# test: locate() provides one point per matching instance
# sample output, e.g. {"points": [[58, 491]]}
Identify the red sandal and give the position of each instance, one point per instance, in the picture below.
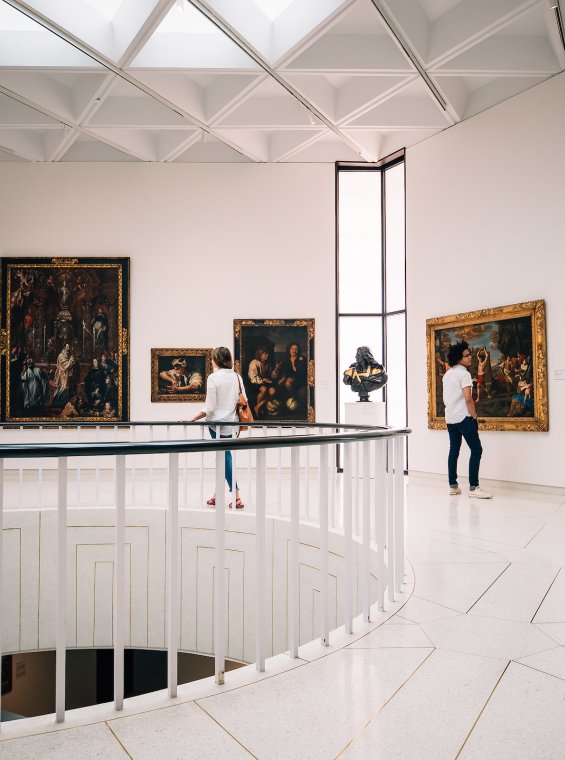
{"points": [[238, 504], [211, 502]]}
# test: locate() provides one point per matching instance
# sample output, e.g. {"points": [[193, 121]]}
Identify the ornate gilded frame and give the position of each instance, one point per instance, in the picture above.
{"points": [[202, 365], [303, 331], [465, 322], [105, 278]]}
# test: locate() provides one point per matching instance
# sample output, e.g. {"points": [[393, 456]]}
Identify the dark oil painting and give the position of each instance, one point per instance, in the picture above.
{"points": [[180, 374], [65, 333], [275, 358]]}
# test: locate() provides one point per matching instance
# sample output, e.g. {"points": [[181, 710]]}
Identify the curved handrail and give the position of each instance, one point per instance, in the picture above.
{"points": [[114, 448]]}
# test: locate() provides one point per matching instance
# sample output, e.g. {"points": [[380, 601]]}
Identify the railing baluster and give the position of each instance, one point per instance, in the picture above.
{"points": [[21, 481], [151, 438], [97, 476], [333, 487], [380, 517], [77, 471], [279, 477], [201, 503], [119, 580], [133, 439], [185, 469], [219, 573], [390, 519], [61, 628], [366, 563], [399, 511], [293, 558], [1, 553], [260, 494], [172, 575], [347, 529], [324, 585], [307, 480]]}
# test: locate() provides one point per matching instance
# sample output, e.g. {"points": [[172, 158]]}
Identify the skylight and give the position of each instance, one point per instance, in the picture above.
{"points": [[107, 8], [188, 20], [273, 8], [12, 20]]}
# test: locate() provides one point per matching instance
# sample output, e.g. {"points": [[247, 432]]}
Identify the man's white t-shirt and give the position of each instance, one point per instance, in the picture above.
{"points": [[454, 380]]}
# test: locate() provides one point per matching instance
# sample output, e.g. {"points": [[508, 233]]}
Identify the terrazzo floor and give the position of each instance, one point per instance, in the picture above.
{"points": [[472, 666]]}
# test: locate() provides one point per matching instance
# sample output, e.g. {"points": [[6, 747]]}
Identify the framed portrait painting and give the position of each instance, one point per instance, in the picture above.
{"points": [[275, 358], [508, 370], [180, 374], [65, 339]]}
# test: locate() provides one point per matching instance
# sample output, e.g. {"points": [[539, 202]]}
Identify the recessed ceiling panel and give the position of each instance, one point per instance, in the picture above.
{"points": [[269, 104], [145, 144], [16, 114], [485, 92], [211, 151], [328, 149], [24, 42], [187, 39], [65, 94], [129, 106], [413, 106]]}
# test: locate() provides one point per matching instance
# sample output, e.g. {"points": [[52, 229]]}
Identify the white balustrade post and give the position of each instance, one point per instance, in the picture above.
{"points": [[356, 490], [348, 532], [119, 582], [333, 487], [219, 571], [97, 476], [324, 548], [201, 469], [279, 477], [293, 558], [399, 511], [1, 551], [307, 480], [366, 562], [172, 575], [390, 518], [185, 471], [61, 627], [77, 471], [380, 517], [151, 438], [260, 494], [133, 440]]}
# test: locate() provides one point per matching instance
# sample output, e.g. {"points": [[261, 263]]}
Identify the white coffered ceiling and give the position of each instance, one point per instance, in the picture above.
{"points": [[258, 80]]}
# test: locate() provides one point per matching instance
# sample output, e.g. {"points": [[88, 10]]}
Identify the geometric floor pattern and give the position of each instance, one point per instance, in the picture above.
{"points": [[472, 666]]}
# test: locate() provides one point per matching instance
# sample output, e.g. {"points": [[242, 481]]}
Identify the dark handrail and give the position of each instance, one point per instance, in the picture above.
{"points": [[30, 451]]}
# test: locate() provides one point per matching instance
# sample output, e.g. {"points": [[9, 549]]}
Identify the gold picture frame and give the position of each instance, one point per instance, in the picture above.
{"points": [[509, 367], [65, 339], [179, 374]]}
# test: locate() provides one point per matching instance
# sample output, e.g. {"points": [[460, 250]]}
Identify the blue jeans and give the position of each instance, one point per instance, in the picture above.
{"points": [[228, 460], [469, 430]]}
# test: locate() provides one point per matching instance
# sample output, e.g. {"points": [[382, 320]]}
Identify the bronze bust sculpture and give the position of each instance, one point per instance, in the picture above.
{"points": [[365, 375]]}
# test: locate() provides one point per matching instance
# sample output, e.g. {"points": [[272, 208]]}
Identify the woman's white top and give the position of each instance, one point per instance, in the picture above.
{"points": [[222, 393]]}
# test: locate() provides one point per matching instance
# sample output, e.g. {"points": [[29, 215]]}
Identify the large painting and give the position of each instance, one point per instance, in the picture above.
{"points": [[509, 368], [276, 360], [180, 374], [65, 339]]}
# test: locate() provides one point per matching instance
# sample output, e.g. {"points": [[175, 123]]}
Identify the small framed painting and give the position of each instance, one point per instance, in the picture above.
{"points": [[179, 374]]}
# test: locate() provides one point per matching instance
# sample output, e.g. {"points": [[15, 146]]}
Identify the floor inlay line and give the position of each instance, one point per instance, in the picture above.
{"points": [[489, 587], [482, 711], [545, 596], [225, 730]]}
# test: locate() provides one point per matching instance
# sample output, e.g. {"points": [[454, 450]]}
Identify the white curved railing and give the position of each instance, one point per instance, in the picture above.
{"points": [[364, 503]]}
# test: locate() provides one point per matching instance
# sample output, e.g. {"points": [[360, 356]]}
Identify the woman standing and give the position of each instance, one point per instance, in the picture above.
{"points": [[222, 393]]}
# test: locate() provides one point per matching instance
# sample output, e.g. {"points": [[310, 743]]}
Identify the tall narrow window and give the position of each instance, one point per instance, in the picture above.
{"points": [[371, 279]]}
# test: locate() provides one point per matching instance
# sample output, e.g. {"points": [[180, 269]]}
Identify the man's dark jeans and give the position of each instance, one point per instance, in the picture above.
{"points": [[469, 430]]}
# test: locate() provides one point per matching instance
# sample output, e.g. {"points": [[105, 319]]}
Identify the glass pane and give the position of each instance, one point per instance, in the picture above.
{"points": [[360, 268], [395, 248], [355, 332], [396, 370]]}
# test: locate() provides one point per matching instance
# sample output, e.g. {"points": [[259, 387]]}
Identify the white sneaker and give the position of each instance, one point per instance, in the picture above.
{"points": [[454, 490], [478, 493]]}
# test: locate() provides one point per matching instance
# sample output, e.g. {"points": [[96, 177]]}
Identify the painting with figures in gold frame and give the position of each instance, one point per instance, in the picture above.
{"points": [[65, 327], [508, 370], [180, 374], [275, 358]]}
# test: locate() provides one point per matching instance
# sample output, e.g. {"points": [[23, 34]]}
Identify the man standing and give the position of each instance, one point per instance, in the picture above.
{"points": [[461, 419]]}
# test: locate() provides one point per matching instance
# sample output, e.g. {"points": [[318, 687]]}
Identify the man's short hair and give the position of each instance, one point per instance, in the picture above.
{"points": [[455, 353]]}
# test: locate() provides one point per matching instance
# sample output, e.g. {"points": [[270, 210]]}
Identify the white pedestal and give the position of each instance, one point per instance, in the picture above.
{"points": [[366, 413]]}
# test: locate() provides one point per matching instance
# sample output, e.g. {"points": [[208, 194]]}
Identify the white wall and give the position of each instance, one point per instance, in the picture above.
{"points": [[485, 228], [208, 243]]}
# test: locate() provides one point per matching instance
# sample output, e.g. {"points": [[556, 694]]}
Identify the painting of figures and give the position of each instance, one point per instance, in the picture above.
{"points": [[180, 374], [65, 333], [275, 358], [508, 369]]}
